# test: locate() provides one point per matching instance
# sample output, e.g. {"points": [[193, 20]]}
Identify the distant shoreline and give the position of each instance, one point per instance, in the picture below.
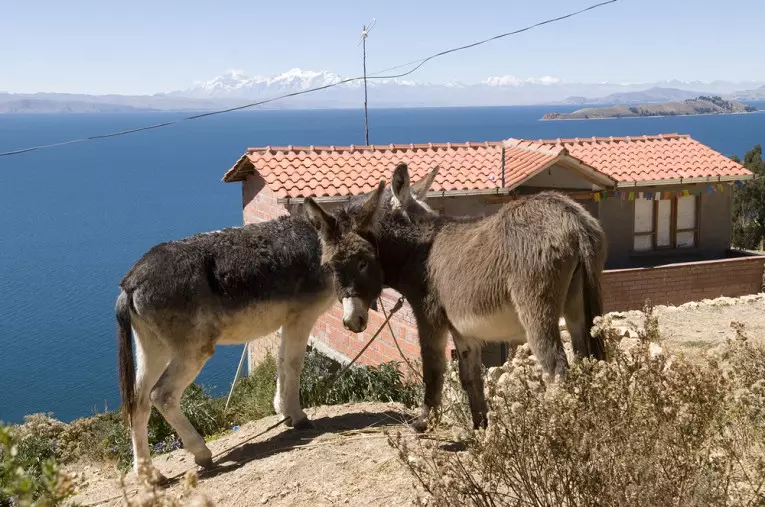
{"points": [[652, 116], [701, 105]]}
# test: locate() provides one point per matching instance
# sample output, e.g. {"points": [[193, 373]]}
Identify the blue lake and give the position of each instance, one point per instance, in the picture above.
{"points": [[73, 219]]}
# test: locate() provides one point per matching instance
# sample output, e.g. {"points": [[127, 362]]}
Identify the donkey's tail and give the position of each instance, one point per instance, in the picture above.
{"points": [[125, 355], [592, 247]]}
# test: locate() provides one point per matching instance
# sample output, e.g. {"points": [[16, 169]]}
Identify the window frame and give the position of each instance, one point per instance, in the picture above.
{"points": [[673, 229]]}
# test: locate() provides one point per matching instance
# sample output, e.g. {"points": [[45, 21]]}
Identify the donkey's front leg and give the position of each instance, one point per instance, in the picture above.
{"points": [[289, 366], [432, 345], [470, 376]]}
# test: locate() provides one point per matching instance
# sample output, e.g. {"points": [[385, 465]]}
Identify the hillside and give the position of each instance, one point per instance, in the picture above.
{"points": [[651, 95], [339, 463], [699, 105], [347, 459]]}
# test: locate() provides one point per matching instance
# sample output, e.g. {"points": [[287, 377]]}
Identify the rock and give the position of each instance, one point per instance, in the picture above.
{"points": [[655, 350]]}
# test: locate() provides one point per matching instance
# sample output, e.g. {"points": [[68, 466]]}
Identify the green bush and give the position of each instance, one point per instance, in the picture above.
{"points": [[383, 383], [253, 396], [29, 475]]}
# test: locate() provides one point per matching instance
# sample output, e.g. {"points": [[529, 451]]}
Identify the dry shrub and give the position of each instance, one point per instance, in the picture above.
{"points": [[643, 429], [150, 495]]}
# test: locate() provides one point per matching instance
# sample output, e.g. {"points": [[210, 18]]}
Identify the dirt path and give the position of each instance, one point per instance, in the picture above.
{"points": [[345, 461], [705, 324]]}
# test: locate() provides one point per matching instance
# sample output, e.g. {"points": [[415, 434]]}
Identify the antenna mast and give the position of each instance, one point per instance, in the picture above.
{"points": [[364, 33]]}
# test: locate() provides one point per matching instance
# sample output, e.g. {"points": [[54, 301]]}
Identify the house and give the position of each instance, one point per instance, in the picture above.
{"points": [[664, 202]]}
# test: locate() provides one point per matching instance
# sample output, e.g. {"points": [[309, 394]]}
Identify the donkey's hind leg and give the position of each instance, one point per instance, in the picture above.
{"points": [[540, 316], [289, 365], [470, 376], [573, 313], [184, 367], [151, 359]]}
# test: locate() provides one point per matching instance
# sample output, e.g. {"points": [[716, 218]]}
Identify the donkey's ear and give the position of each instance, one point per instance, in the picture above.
{"points": [[420, 189], [323, 221], [400, 183], [369, 214]]}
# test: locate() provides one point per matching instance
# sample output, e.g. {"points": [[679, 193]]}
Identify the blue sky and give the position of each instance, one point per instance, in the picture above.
{"points": [[141, 46]]}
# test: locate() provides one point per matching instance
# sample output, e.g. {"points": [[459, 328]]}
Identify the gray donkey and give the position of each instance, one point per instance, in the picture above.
{"points": [[507, 277], [182, 298]]}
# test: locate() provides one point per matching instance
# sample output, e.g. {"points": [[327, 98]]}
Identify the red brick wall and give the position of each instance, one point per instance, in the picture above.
{"points": [[675, 284], [259, 201]]}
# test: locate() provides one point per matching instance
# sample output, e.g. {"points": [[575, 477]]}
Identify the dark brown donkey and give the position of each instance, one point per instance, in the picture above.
{"points": [[507, 277]]}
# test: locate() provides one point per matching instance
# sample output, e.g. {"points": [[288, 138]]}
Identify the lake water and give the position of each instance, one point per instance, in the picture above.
{"points": [[73, 219]]}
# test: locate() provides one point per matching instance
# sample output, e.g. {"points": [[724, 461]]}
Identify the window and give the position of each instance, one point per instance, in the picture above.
{"points": [[666, 224]]}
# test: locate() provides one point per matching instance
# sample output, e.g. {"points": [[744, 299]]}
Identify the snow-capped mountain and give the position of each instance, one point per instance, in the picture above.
{"points": [[495, 90], [236, 84]]}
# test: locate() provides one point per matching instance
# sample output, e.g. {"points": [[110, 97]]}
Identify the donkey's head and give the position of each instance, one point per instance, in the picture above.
{"points": [[410, 198], [349, 249]]}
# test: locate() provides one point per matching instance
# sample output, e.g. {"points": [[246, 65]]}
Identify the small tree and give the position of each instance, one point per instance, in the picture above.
{"points": [[749, 203]]}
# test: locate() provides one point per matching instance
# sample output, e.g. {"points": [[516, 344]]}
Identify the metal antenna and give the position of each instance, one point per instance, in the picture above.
{"points": [[364, 33]]}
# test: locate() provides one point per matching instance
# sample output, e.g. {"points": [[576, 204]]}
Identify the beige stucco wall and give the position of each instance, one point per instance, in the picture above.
{"points": [[617, 217]]}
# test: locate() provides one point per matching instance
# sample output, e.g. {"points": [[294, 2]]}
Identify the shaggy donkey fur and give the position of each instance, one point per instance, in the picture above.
{"points": [[182, 298], [507, 277]]}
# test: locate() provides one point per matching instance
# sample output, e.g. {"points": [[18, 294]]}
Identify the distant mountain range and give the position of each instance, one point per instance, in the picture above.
{"points": [[236, 88]]}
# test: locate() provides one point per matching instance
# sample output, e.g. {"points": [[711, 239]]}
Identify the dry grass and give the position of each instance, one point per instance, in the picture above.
{"points": [[149, 495], [644, 429]]}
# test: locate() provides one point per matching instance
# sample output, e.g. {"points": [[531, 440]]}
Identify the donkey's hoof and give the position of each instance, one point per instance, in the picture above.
{"points": [[154, 477], [304, 424], [419, 425], [206, 463]]}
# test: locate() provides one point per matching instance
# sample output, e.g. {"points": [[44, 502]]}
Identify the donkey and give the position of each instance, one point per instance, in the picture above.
{"points": [[506, 277], [182, 298]]}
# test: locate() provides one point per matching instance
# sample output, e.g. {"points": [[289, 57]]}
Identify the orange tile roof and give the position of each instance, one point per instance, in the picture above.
{"points": [[647, 159], [330, 171]]}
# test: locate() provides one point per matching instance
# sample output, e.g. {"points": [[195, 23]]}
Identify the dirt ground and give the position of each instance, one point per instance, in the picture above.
{"points": [[705, 324], [346, 460]]}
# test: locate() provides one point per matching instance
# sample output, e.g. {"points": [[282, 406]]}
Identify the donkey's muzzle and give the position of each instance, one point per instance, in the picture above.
{"points": [[356, 324], [355, 314]]}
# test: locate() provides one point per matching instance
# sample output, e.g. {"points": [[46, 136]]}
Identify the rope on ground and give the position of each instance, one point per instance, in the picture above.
{"points": [[328, 385]]}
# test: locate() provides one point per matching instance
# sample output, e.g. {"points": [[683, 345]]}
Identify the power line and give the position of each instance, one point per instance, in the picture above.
{"points": [[376, 75], [364, 34]]}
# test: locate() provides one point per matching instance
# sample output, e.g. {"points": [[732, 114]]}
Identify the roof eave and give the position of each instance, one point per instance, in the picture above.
{"points": [[684, 181], [240, 170], [436, 193]]}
